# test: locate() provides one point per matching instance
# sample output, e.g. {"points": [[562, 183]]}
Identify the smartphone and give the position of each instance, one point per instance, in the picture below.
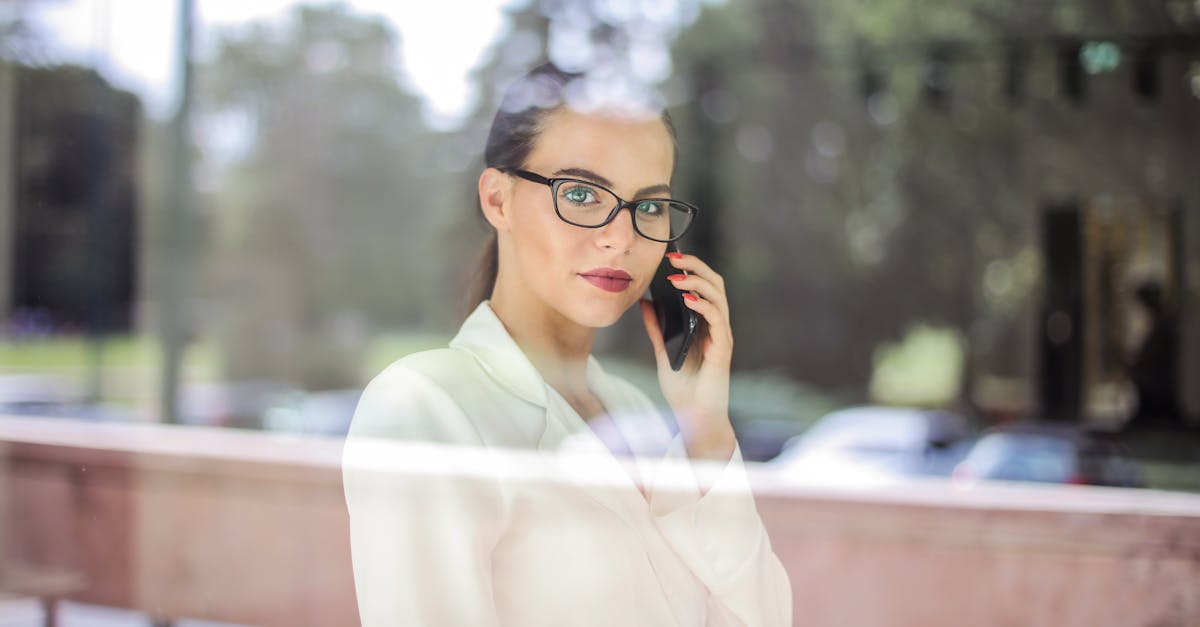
{"points": [[677, 321]]}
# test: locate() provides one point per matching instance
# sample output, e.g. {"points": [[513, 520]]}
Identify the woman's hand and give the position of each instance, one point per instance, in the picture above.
{"points": [[698, 393]]}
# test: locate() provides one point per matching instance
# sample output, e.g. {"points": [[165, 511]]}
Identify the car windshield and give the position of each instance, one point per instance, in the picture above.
{"points": [[1024, 457], [880, 432]]}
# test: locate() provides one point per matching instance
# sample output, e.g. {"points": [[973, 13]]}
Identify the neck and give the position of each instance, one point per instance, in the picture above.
{"points": [[556, 346]]}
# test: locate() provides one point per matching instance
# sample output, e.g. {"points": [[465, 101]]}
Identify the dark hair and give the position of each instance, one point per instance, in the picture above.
{"points": [[515, 128]]}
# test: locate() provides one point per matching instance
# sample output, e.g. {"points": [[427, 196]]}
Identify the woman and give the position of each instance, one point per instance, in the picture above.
{"points": [[586, 538]]}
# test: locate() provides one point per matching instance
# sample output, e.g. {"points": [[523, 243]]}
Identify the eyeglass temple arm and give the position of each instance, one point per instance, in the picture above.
{"points": [[527, 175]]}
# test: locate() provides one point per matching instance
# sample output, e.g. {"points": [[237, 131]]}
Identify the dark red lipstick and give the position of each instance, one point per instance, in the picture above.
{"points": [[608, 279]]}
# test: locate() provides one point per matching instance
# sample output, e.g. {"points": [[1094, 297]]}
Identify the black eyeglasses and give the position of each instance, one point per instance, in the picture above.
{"points": [[591, 206]]}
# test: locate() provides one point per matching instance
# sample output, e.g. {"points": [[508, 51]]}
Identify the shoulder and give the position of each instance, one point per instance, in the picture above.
{"points": [[447, 369], [412, 399]]}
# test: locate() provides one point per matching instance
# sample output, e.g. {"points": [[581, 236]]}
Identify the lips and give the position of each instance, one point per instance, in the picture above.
{"points": [[608, 279]]}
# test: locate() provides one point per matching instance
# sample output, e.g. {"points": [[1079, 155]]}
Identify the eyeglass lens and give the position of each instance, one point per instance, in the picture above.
{"points": [[584, 204]]}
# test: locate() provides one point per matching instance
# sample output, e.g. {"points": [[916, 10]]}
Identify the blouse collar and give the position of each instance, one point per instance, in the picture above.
{"points": [[485, 337], [590, 463]]}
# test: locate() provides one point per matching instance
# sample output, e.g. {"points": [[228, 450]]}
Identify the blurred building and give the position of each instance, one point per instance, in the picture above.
{"points": [[1109, 167], [1013, 178], [69, 205]]}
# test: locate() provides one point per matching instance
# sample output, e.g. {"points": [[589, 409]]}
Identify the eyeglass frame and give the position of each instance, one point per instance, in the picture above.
{"points": [[554, 182]]}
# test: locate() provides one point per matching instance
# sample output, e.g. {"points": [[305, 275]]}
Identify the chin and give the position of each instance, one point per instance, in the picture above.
{"points": [[599, 313]]}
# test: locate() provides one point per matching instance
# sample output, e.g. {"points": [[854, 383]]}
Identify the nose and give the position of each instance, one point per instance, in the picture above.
{"points": [[618, 234]]}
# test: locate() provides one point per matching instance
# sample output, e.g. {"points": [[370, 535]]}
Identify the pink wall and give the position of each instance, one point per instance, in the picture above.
{"points": [[251, 527]]}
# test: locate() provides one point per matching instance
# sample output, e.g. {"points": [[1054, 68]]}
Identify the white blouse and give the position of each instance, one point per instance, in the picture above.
{"points": [[505, 508]]}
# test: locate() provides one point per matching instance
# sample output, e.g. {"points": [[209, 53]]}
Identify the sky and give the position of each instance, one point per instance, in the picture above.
{"points": [[132, 42]]}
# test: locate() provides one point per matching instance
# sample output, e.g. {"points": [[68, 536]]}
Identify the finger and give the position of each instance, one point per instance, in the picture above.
{"points": [[703, 288], [718, 327], [694, 265]]}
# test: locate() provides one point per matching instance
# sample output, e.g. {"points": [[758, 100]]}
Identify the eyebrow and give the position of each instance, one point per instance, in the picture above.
{"points": [[585, 173]]}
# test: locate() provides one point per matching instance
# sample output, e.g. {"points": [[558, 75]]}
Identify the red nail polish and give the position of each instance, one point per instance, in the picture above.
{"points": [[690, 296], [675, 255], [676, 277]]}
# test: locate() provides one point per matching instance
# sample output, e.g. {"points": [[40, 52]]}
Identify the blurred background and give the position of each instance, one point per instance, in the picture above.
{"points": [[962, 239], [983, 208]]}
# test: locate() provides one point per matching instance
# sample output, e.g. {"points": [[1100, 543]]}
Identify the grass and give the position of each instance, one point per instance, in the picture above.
{"points": [[62, 353], [142, 354], [130, 365]]}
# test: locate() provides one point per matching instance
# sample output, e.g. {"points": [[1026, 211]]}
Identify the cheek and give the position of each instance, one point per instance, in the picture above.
{"points": [[649, 256], [544, 241]]}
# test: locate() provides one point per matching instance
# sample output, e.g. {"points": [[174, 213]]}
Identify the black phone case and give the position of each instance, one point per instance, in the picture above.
{"points": [[677, 322]]}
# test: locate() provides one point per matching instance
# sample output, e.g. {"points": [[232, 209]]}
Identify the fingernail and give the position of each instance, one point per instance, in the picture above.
{"points": [[690, 296], [677, 277], [675, 255]]}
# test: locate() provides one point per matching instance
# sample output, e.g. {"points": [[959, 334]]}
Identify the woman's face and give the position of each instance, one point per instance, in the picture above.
{"points": [[565, 266]]}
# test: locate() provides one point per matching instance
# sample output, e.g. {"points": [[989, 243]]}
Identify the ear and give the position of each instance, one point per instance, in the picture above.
{"points": [[495, 189]]}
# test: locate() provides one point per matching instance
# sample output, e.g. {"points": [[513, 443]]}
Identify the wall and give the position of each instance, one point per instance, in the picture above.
{"points": [[251, 527]]}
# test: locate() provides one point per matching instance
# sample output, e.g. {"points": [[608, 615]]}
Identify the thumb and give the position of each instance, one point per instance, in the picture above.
{"points": [[650, 320]]}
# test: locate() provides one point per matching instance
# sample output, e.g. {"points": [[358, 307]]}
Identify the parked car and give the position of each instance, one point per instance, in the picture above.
{"points": [[1048, 453], [230, 404], [51, 396], [37, 395], [312, 413], [762, 440], [872, 442]]}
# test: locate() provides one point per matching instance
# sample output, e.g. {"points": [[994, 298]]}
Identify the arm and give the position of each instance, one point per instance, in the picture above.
{"points": [[706, 512], [424, 509], [715, 530]]}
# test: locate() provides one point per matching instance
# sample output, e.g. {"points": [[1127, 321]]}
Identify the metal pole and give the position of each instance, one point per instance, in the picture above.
{"points": [[100, 276], [178, 213], [8, 181]]}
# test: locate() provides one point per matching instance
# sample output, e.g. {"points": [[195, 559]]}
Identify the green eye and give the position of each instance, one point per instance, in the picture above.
{"points": [[649, 209], [580, 195]]}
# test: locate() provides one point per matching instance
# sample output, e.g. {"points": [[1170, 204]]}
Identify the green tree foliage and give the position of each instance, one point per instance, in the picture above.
{"points": [[866, 162], [325, 194]]}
